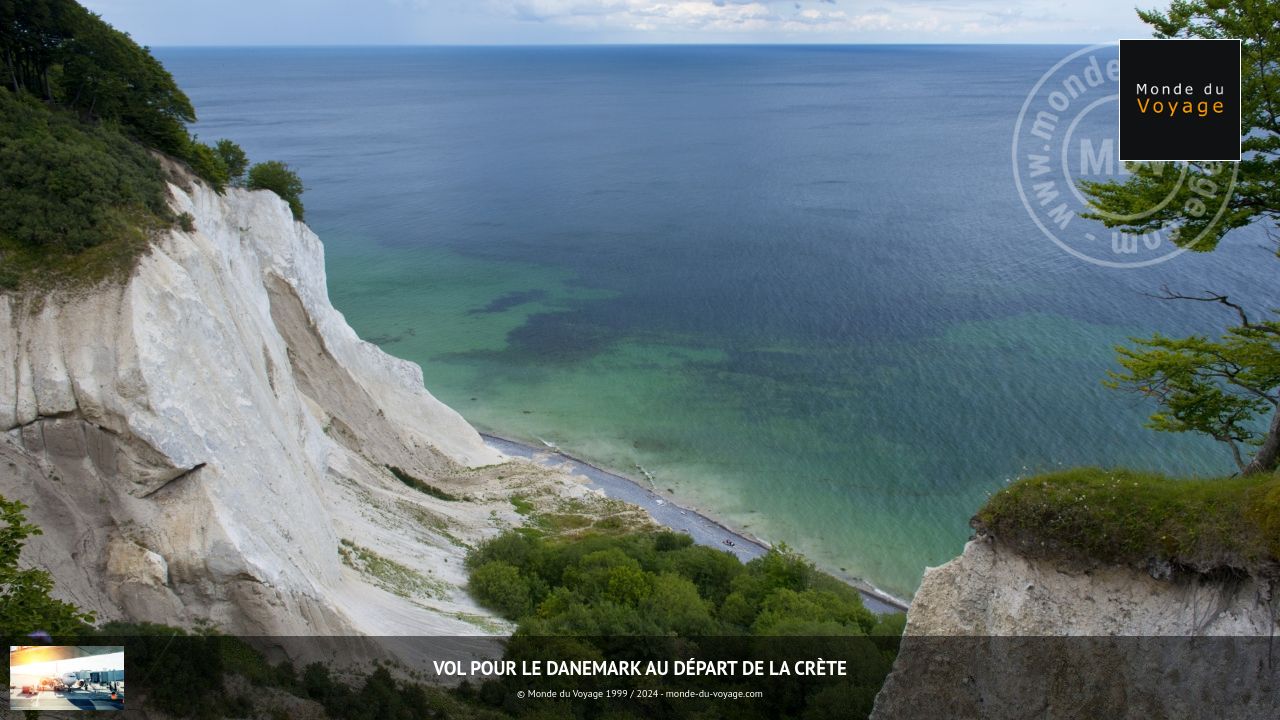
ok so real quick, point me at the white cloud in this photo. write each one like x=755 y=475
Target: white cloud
x=336 y=22
x=919 y=18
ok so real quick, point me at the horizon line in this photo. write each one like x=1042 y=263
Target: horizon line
x=300 y=46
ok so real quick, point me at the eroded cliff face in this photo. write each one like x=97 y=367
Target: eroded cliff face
x=994 y=634
x=199 y=441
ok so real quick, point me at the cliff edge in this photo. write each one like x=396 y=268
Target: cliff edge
x=995 y=634
x=209 y=441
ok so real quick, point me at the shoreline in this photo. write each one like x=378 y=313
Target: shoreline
x=703 y=528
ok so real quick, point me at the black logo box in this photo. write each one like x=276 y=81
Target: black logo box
x=1185 y=68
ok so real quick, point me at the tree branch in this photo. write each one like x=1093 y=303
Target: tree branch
x=1209 y=296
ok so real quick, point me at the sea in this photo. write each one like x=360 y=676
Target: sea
x=795 y=286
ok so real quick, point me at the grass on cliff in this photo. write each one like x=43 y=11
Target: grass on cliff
x=392 y=576
x=1090 y=516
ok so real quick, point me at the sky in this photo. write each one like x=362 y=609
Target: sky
x=164 y=23
x=111 y=661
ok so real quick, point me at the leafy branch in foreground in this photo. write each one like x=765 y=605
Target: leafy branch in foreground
x=25 y=604
x=1222 y=388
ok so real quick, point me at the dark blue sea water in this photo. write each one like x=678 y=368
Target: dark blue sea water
x=795 y=284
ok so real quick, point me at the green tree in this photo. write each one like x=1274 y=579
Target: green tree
x=639 y=596
x=25 y=603
x=674 y=603
x=1256 y=194
x=72 y=59
x=233 y=158
x=1226 y=388
x=69 y=186
x=627 y=585
x=32 y=32
x=1220 y=388
x=811 y=612
x=106 y=75
x=276 y=176
x=208 y=164
x=500 y=586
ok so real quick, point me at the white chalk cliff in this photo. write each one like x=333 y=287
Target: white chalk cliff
x=993 y=590
x=995 y=634
x=199 y=440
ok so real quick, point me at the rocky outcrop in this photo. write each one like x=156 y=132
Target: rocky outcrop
x=994 y=634
x=990 y=590
x=199 y=440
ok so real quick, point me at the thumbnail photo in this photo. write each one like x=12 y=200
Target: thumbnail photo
x=66 y=677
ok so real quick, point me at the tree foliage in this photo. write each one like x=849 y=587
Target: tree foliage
x=657 y=596
x=276 y=176
x=1226 y=388
x=25 y=602
x=1221 y=388
x=32 y=34
x=67 y=185
x=208 y=164
x=656 y=583
x=233 y=159
x=82 y=105
x=60 y=51
x=1256 y=194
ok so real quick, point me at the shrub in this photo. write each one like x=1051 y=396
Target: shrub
x=26 y=604
x=512 y=548
x=69 y=185
x=641 y=596
x=233 y=159
x=276 y=176
x=208 y=164
x=499 y=586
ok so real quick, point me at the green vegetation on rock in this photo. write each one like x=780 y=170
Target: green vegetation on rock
x=83 y=112
x=1227 y=388
x=275 y=176
x=422 y=486
x=78 y=198
x=25 y=602
x=1087 y=516
x=390 y=575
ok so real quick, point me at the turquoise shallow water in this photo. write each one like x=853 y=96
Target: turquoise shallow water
x=788 y=282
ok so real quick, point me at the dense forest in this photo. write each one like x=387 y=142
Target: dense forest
x=656 y=596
